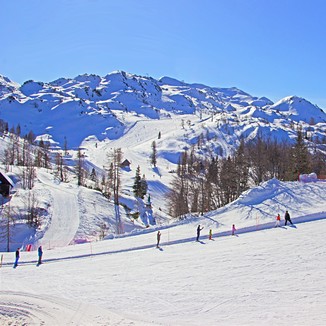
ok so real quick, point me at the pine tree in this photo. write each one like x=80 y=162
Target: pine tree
x=80 y=168
x=137 y=183
x=93 y=175
x=143 y=187
x=242 y=169
x=300 y=157
x=154 y=154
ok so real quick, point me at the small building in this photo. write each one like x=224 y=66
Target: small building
x=5 y=184
x=125 y=164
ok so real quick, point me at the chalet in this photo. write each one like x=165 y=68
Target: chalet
x=125 y=164
x=5 y=184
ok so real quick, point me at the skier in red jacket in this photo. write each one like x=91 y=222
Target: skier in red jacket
x=278 y=220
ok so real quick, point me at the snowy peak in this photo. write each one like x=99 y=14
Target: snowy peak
x=170 y=81
x=7 y=87
x=31 y=87
x=299 y=109
x=106 y=107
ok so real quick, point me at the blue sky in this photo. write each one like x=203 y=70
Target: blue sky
x=272 y=48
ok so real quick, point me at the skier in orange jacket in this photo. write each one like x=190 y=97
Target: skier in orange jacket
x=278 y=220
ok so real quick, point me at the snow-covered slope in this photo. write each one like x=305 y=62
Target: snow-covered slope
x=121 y=110
x=73 y=109
x=248 y=279
x=76 y=214
x=266 y=277
x=298 y=109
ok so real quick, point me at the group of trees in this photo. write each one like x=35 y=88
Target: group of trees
x=140 y=185
x=29 y=155
x=24 y=153
x=21 y=151
x=201 y=185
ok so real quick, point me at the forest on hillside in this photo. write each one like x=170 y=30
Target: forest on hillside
x=201 y=182
x=201 y=185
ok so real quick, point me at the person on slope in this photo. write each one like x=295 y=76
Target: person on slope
x=40 y=254
x=17 y=255
x=158 y=239
x=233 y=229
x=287 y=218
x=210 y=234
x=278 y=220
x=198 y=232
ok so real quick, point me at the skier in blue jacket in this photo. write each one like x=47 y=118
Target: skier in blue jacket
x=17 y=258
x=40 y=254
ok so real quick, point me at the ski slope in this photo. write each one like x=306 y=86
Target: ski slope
x=272 y=276
x=64 y=221
x=262 y=276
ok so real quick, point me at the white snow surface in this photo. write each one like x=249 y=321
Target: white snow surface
x=261 y=276
x=65 y=215
x=71 y=110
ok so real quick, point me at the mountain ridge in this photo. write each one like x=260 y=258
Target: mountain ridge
x=105 y=106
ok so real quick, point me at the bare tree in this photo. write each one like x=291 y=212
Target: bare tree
x=6 y=225
x=80 y=168
x=31 y=208
x=114 y=175
x=103 y=231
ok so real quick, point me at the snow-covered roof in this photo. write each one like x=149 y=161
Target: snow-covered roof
x=5 y=176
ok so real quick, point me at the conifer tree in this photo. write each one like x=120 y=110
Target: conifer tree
x=80 y=168
x=93 y=175
x=154 y=154
x=137 y=183
x=300 y=157
x=143 y=187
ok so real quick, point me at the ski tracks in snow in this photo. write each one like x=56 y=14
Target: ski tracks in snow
x=19 y=308
x=65 y=213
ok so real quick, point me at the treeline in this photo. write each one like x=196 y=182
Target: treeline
x=22 y=151
x=202 y=185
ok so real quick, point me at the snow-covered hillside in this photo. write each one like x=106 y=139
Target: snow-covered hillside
x=97 y=114
x=107 y=107
x=121 y=110
x=261 y=276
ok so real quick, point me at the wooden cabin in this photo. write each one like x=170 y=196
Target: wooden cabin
x=125 y=164
x=5 y=184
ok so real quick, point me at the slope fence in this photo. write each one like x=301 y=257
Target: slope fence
x=255 y=228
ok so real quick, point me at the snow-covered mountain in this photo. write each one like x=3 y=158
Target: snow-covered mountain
x=107 y=107
x=261 y=276
x=246 y=279
x=121 y=110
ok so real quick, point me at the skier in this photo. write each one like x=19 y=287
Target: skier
x=40 y=253
x=233 y=229
x=287 y=218
x=210 y=234
x=198 y=232
x=17 y=258
x=278 y=220
x=158 y=239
